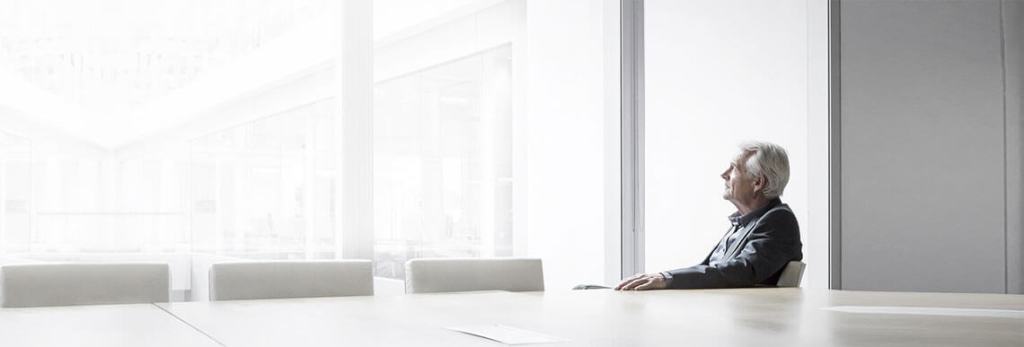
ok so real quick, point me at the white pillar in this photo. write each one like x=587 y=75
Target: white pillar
x=354 y=75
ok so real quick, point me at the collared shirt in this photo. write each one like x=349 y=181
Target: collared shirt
x=740 y=225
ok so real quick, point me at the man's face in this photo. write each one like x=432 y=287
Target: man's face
x=738 y=186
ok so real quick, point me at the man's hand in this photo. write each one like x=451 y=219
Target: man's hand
x=643 y=282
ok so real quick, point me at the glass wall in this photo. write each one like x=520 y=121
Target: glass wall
x=719 y=73
x=264 y=188
x=218 y=128
x=15 y=194
x=443 y=162
x=495 y=133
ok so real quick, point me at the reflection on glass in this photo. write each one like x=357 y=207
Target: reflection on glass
x=443 y=162
x=261 y=189
x=15 y=195
x=204 y=128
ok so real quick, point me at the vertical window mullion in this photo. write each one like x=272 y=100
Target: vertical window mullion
x=632 y=102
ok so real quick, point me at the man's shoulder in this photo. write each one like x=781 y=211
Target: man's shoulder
x=780 y=209
x=779 y=216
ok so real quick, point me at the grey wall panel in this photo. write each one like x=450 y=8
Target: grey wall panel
x=1013 y=38
x=922 y=146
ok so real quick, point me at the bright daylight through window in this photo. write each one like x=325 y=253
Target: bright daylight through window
x=196 y=131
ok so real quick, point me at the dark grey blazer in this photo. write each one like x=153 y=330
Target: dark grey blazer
x=757 y=258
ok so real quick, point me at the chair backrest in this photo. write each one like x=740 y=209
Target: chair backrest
x=27 y=285
x=290 y=279
x=792 y=274
x=433 y=275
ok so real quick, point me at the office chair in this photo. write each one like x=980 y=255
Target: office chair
x=433 y=275
x=791 y=274
x=290 y=279
x=28 y=285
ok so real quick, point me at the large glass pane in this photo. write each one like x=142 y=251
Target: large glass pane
x=443 y=162
x=259 y=191
x=718 y=73
x=199 y=131
x=15 y=195
x=496 y=134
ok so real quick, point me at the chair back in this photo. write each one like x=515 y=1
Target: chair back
x=791 y=274
x=290 y=279
x=28 y=285
x=433 y=275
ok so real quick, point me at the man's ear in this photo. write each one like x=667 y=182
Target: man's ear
x=760 y=183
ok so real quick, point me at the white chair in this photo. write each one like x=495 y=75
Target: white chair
x=290 y=279
x=791 y=274
x=433 y=275
x=27 y=285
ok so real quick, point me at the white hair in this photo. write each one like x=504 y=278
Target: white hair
x=770 y=161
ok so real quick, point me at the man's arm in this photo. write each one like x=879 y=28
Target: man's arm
x=769 y=247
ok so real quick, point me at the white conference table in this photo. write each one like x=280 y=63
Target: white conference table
x=96 y=325
x=735 y=317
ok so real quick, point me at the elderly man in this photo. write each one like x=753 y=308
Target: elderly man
x=764 y=235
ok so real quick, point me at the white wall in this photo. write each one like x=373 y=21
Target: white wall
x=719 y=73
x=925 y=181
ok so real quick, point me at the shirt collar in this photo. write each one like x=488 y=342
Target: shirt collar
x=737 y=220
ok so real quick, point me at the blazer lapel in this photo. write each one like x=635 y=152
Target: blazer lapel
x=742 y=240
x=707 y=259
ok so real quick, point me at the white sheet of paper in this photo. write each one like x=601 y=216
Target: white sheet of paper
x=506 y=334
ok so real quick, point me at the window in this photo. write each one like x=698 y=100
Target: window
x=155 y=129
x=496 y=134
x=718 y=74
